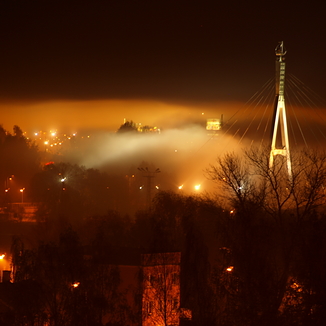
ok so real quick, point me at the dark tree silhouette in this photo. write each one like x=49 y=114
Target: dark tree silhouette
x=267 y=236
x=128 y=126
x=19 y=158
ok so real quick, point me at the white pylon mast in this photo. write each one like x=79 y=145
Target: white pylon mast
x=280 y=113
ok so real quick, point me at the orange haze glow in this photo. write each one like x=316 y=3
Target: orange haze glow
x=71 y=116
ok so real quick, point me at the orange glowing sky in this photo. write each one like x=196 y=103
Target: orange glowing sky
x=68 y=64
x=72 y=116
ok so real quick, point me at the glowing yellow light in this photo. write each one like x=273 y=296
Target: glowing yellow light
x=22 y=189
x=296 y=287
x=2 y=256
x=230 y=269
x=75 y=285
x=197 y=187
x=180 y=187
x=46 y=142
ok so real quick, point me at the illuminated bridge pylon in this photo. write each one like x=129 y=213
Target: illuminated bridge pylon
x=280 y=138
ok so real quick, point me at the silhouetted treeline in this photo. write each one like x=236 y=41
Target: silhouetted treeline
x=237 y=268
x=128 y=126
x=53 y=184
x=253 y=255
x=65 y=283
x=20 y=160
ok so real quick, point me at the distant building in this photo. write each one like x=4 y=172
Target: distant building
x=148 y=129
x=138 y=127
x=161 y=289
x=213 y=125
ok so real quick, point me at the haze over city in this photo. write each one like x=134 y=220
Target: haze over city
x=90 y=65
x=130 y=192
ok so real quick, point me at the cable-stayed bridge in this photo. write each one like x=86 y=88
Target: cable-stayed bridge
x=305 y=116
x=284 y=116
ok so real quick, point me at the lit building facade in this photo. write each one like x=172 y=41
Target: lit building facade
x=161 y=289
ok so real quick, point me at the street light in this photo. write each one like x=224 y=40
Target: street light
x=75 y=284
x=62 y=180
x=22 y=192
x=7 y=182
x=197 y=187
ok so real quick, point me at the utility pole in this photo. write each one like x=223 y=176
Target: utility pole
x=283 y=147
x=149 y=175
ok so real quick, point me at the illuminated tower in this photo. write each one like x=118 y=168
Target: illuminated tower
x=280 y=146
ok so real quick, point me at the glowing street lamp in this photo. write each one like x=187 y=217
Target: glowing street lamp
x=22 y=192
x=230 y=269
x=75 y=284
x=7 y=182
x=62 y=180
x=197 y=187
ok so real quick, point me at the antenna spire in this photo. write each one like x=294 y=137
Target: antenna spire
x=280 y=112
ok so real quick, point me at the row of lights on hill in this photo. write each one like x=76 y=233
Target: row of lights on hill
x=151 y=174
x=197 y=187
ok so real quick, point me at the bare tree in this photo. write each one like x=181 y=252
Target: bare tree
x=267 y=234
x=236 y=181
x=161 y=289
x=250 y=179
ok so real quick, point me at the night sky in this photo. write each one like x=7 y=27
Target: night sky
x=90 y=64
